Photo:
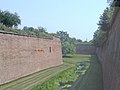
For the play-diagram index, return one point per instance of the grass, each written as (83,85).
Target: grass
(58,81)
(73,59)
(89,80)
(92,80)
(64,80)
(26,83)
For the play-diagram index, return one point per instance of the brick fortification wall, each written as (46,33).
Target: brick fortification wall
(22,55)
(109,55)
(85,49)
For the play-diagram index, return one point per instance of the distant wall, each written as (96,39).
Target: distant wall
(23,55)
(109,55)
(85,49)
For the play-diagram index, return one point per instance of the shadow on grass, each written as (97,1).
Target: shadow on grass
(67,57)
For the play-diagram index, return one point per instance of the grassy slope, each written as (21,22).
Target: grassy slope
(28,82)
(92,80)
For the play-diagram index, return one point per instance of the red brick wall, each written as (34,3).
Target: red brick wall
(109,55)
(22,55)
(85,49)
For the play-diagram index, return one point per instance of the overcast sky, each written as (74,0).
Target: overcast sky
(78,17)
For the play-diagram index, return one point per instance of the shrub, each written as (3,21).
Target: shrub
(99,37)
(3,27)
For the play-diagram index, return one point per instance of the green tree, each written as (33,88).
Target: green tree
(79,40)
(9,19)
(68,48)
(64,36)
(104,24)
(41,29)
(1,16)
(105,19)
(68,44)
(99,37)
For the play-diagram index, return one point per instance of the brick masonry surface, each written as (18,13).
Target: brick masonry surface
(22,55)
(85,49)
(109,55)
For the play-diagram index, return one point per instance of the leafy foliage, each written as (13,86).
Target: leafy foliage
(68,43)
(65,79)
(79,40)
(9,22)
(114,3)
(105,19)
(56,81)
(99,37)
(28,31)
(39,32)
(104,24)
(3,27)
(9,19)
(68,48)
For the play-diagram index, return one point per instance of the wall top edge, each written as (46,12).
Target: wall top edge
(17,34)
